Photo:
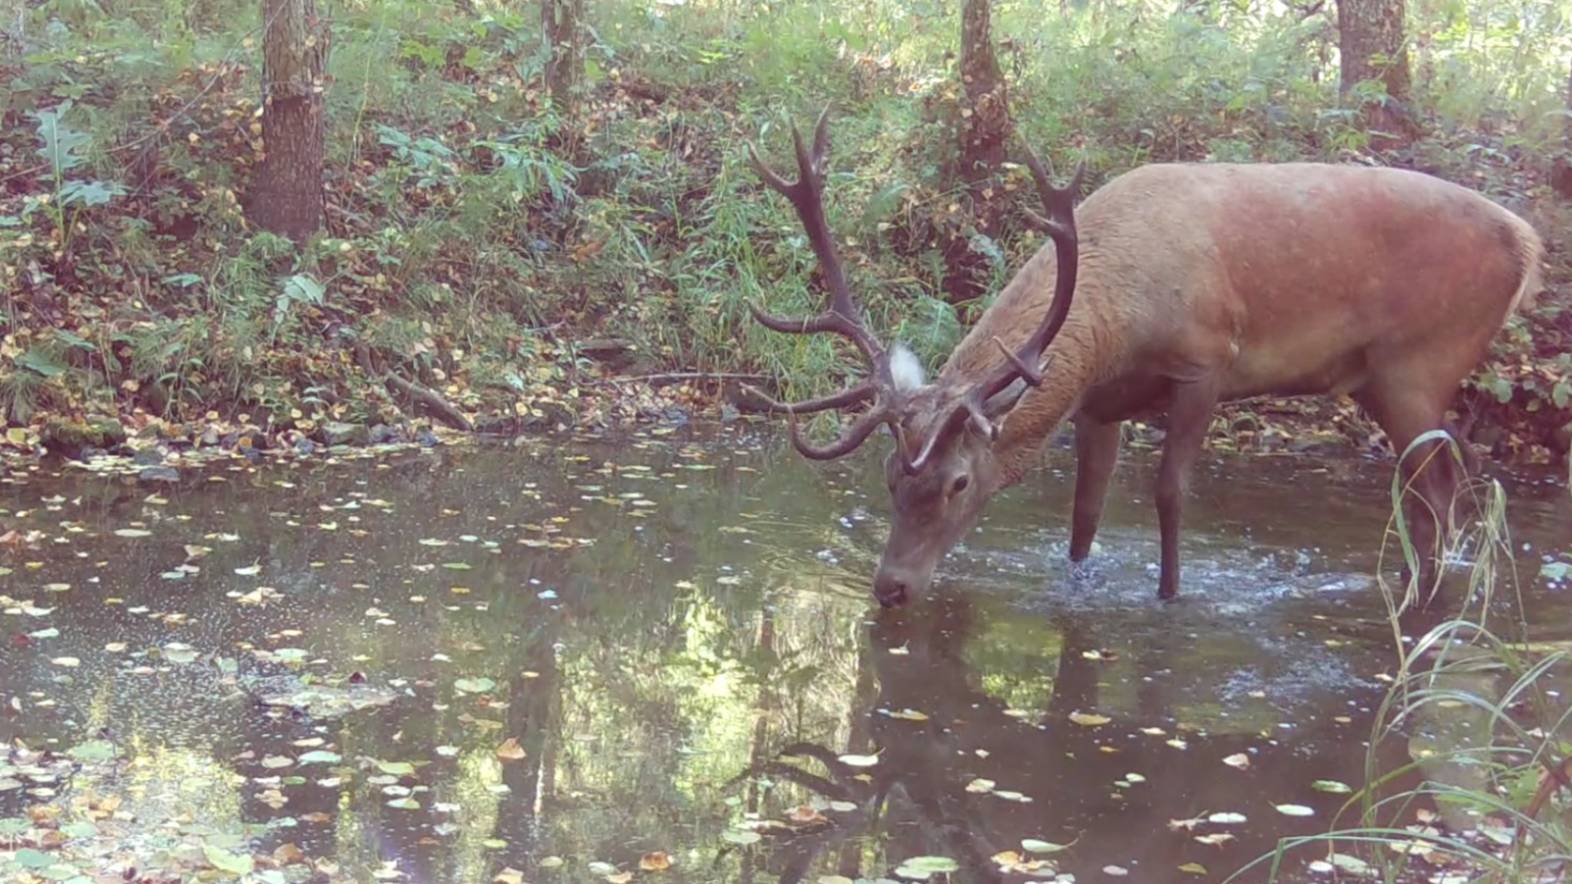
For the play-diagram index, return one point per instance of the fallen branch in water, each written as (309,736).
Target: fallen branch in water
(438,406)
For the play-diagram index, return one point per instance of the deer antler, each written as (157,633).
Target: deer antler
(842,317)
(1025,363)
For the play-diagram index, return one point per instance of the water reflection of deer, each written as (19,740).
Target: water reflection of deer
(916,796)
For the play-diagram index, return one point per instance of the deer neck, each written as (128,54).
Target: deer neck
(1075,368)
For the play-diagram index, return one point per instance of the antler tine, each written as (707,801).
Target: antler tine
(1059,202)
(848,396)
(854,435)
(807,197)
(1025,362)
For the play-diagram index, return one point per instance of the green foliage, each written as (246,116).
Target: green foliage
(476,230)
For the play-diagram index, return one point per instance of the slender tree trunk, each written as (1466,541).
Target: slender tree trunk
(1371,41)
(562,23)
(1561,167)
(286,194)
(986,114)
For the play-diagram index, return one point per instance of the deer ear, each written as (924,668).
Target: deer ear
(1002,402)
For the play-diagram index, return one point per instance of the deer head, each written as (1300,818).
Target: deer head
(943,467)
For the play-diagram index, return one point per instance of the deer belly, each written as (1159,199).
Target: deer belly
(1277,374)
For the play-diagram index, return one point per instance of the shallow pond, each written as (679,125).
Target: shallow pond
(561,661)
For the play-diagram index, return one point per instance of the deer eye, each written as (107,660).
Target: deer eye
(958,484)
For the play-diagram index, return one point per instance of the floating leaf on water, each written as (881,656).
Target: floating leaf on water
(474,685)
(1351,864)
(133,532)
(224,861)
(920,868)
(655,861)
(1332,786)
(1226,818)
(1294,810)
(404,804)
(1238,760)
(175,652)
(1193,869)
(396,768)
(740,836)
(251,570)
(1115,871)
(51,632)
(92,750)
(320,756)
(1033,845)
(447,751)
(508,875)
(980,785)
(859,760)
(456,566)
(1089,719)
(67,662)
(1215,839)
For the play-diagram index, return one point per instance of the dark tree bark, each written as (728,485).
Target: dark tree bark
(1561,166)
(286,194)
(986,114)
(562,22)
(1371,42)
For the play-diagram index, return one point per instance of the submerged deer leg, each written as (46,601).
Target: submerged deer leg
(1096,456)
(1406,413)
(1189,413)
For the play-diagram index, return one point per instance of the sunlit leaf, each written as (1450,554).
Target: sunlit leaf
(1294,810)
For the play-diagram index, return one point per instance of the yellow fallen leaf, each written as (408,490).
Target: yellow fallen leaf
(510,750)
(1089,719)
(655,861)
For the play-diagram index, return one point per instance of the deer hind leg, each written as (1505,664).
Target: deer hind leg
(1189,414)
(1430,476)
(1096,456)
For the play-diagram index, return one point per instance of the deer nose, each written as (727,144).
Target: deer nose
(891,590)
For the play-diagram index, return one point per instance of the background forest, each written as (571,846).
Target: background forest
(510,216)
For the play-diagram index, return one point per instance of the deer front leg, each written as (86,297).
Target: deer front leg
(1096,456)
(1189,414)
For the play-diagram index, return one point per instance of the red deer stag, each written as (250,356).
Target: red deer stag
(1193,284)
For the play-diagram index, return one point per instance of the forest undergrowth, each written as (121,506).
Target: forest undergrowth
(493,260)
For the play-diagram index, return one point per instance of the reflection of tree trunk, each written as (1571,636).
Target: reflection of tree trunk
(1075,682)
(1372,43)
(763,705)
(535,719)
(286,194)
(859,739)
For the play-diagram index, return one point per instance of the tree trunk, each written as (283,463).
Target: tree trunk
(986,114)
(1371,42)
(562,22)
(1561,166)
(286,194)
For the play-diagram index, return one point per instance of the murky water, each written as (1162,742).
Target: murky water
(560,661)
